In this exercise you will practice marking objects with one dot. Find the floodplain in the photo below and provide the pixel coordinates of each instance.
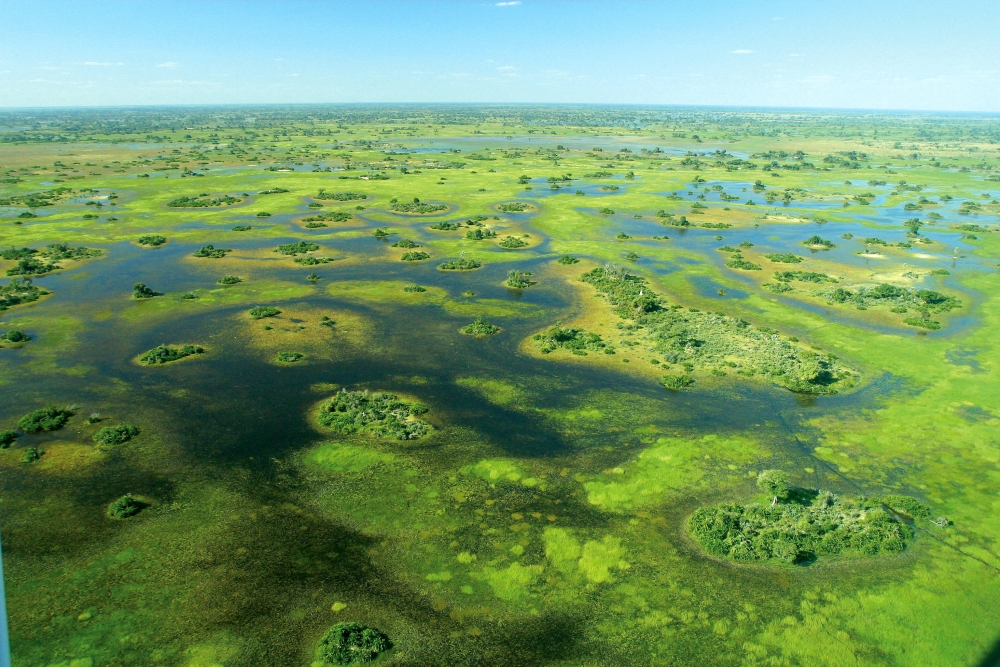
(499, 386)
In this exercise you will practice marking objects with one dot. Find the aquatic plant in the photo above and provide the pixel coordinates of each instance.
(414, 256)
(229, 280)
(480, 328)
(460, 265)
(297, 248)
(578, 341)
(260, 312)
(125, 507)
(380, 414)
(163, 354)
(290, 357)
(212, 252)
(511, 242)
(140, 291)
(116, 435)
(152, 240)
(347, 643)
(49, 418)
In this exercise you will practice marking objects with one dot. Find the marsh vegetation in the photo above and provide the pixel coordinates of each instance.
(379, 414)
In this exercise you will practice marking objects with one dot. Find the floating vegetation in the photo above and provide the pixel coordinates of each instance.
(140, 291)
(125, 507)
(480, 234)
(800, 525)
(480, 328)
(405, 243)
(242, 228)
(212, 252)
(347, 643)
(260, 312)
(116, 435)
(414, 256)
(297, 248)
(340, 196)
(382, 415)
(414, 288)
(229, 280)
(514, 207)
(152, 240)
(49, 418)
(713, 341)
(290, 357)
(460, 265)
(577, 341)
(784, 258)
(164, 354)
(512, 242)
(519, 279)
(416, 206)
(203, 201)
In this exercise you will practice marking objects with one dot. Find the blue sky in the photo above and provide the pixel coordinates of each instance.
(802, 53)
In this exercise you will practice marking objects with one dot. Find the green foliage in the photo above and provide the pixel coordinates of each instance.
(163, 354)
(347, 643)
(297, 248)
(32, 266)
(578, 341)
(606, 211)
(405, 243)
(332, 216)
(632, 256)
(316, 225)
(242, 228)
(49, 418)
(446, 226)
(309, 260)
(340, 196)
(116, 435)
(140, 291)
(909, 507)
(381, 233)
(272, 191)
(290, 357)
(803, 276)
(812, 524)
(817, 242)
(513, 207)
(203, 201)
(152, 240)
(567, 259)
(260, 312)
(380, 414)
(125, 507)
(519, 279)
(16, 336)
(212, 252)
(774, 483)
(416, 206)
(230, 280)
(460, 265)
(414, 288)
(480, 234)
(480, 328)
(737, 262)
(414, 256)
(17, 253)
(31, 454)
(676, 382)
(784, 258)
(512, 242)
(7, 438)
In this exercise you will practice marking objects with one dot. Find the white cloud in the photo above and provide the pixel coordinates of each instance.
(169, 65)
(508, 4)
(742, 52)
(91, 63)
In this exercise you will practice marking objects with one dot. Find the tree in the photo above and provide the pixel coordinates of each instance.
(775, 483)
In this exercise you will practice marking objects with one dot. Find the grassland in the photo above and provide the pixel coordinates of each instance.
(543, 515)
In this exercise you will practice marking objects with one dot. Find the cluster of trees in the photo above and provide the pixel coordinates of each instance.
(380, 414)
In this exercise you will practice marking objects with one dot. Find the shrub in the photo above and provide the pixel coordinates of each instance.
(381, 233)
(414, 256)
(512, 242)
(333, 216)
(49, 418)
(230, 280)
(263, 214)
(446, 226)
(480, 234)
(480, 328)
(7, 438)
(578, 341)
(140, 291)
(242, 228)
(203, 201)
(460, 265)
(17, 336)
(297, 248)
(784, 258)
(316, 225)
(290, 357)
(405, 243)
(676, 382)
(514, 207)
(740, 263)
(116, 435)
(162, 354)
(380, 414)
(606, 211)
(213, 252)
(340, 196)
(817, 241)
(31, 454)
(152, 240)
(417, 207)
(567, 259)
(345, 643)
(260, 312)
(519, 279)
(414, 288)
(125, 507)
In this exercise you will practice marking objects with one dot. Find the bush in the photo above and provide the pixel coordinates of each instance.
(567, 259)
(514, 207)
(519, 279)
(16, 336)
(414, 288)
(203, 201)
(31, 454)
(49, 418)
(784, 258)
(676, 382)
(417, 207)
(380, 414)
(480, 234)
(230, 280)
(578, 341)
(116, 435)
(345, 643)
(152, 240)
(405, 243)
(263, 214)
(606, 211)
(7, 438)
(512, 242)
(907, 506)
(340, 196)
(333, 216)
(125, 507)
(298, 248)
(140, 291)
(414, 256)
(740, 263)
(290, 357)
(480, 328)
(242, 228)
(260, 312)
(817, 241)
(446, 226)
(162, 354)
(213, 252)
(460, 265)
